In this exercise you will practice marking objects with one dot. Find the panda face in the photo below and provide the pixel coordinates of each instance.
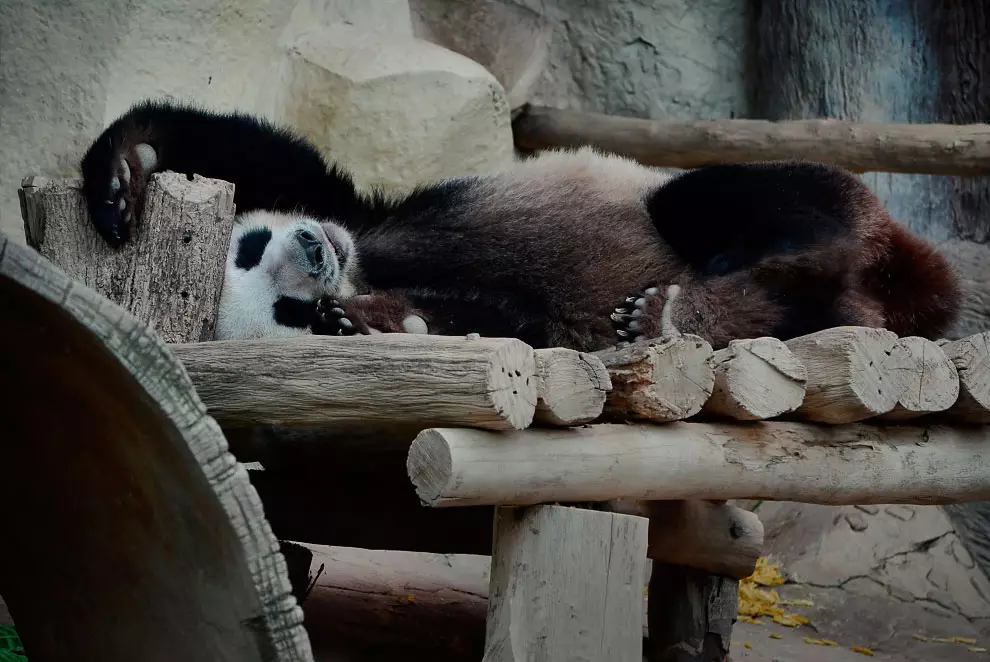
(278, 266)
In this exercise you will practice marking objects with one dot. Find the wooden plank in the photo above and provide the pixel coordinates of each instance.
(169, 276)
(566, 584)
(366, 384)
(108, 452)
(836, 465)
(941, 149)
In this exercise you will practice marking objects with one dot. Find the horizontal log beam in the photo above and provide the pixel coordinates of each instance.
(365, 384)
(936, 149)
(804, 462)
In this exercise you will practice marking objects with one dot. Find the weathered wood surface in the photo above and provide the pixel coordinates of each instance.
(566, 584)
(934, 148)
(925, 378)
(169, 275)
(690, 615)
(119, 462)
(366, 383)
(849, 376)
(755, 380)
(712, 536)
(848, 464)
(572, 387)
(971, 357)
(661, 380)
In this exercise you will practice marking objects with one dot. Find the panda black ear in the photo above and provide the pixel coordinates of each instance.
(251, 248)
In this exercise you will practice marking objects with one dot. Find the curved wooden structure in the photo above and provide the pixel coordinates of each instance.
(130, 533)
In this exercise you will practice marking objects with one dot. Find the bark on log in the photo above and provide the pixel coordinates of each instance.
(572, 387)
(169, 275)
(971, 357)
(690, 615)
(366, 384)
(755, 380)
(925, 378)
(930, 149)
(566, 582)
(848, 374)
(659, 381)
(132, 476)
(835, 465)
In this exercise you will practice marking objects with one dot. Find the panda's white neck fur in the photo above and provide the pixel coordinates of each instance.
(247, 302)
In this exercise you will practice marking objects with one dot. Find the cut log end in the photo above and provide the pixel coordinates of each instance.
(430, 466)
(663, 380)
(849, 374)
(514, 383)
(756, 379)
(971, 357)
(925, 378)
(572, 387)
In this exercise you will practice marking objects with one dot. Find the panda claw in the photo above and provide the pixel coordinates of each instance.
(631, 319)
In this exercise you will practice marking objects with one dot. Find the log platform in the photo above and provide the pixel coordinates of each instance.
(575, 473)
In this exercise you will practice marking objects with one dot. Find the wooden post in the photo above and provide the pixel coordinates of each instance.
(169, 275)
(108, 452)
(690, 615)
(566, 584)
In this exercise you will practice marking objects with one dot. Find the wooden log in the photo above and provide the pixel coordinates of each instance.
(712, 536)
(662, 380)
(755, 380)
(938, 149)
(169, 276)
(971, 357)
(848, 374)
(366, 383)
(572, 387)
(690, 615)
(835, 465)
(381, 603)
(119, 462)
(566, 584)
(925, 378)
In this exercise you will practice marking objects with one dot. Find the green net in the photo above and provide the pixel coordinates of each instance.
(11, 649)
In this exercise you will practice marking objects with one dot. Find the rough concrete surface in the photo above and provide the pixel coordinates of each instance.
(877, 577)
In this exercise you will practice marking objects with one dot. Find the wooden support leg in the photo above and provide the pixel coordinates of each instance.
(566, 584)
(690, 615)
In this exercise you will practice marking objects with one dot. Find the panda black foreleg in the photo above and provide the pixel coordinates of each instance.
(378, 312)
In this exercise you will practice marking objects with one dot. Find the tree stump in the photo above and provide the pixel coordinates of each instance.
(130, 532)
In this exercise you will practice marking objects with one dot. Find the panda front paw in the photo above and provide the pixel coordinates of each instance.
(367, 314)
(637, 318)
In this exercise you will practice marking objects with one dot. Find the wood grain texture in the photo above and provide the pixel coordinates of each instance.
(660, 380)
(971, 357)
(572, 387)
(848, 374)
(366, 384)
(173, 557)
(713, 536)
(566, 584)
(756, 379)
(924, 376)
(848, 464)
(169, 275)
(931, 149)
(690, 615)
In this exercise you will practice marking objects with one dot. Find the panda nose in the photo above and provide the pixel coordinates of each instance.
(313, 249)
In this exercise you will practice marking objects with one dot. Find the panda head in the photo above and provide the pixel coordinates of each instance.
(278, 266)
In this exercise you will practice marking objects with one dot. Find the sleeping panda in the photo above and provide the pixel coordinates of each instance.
(569, 248)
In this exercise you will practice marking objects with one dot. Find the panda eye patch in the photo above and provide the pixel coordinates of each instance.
(251, 248)
(308, 236)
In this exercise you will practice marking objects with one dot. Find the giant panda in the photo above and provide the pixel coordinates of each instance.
(570, 248)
